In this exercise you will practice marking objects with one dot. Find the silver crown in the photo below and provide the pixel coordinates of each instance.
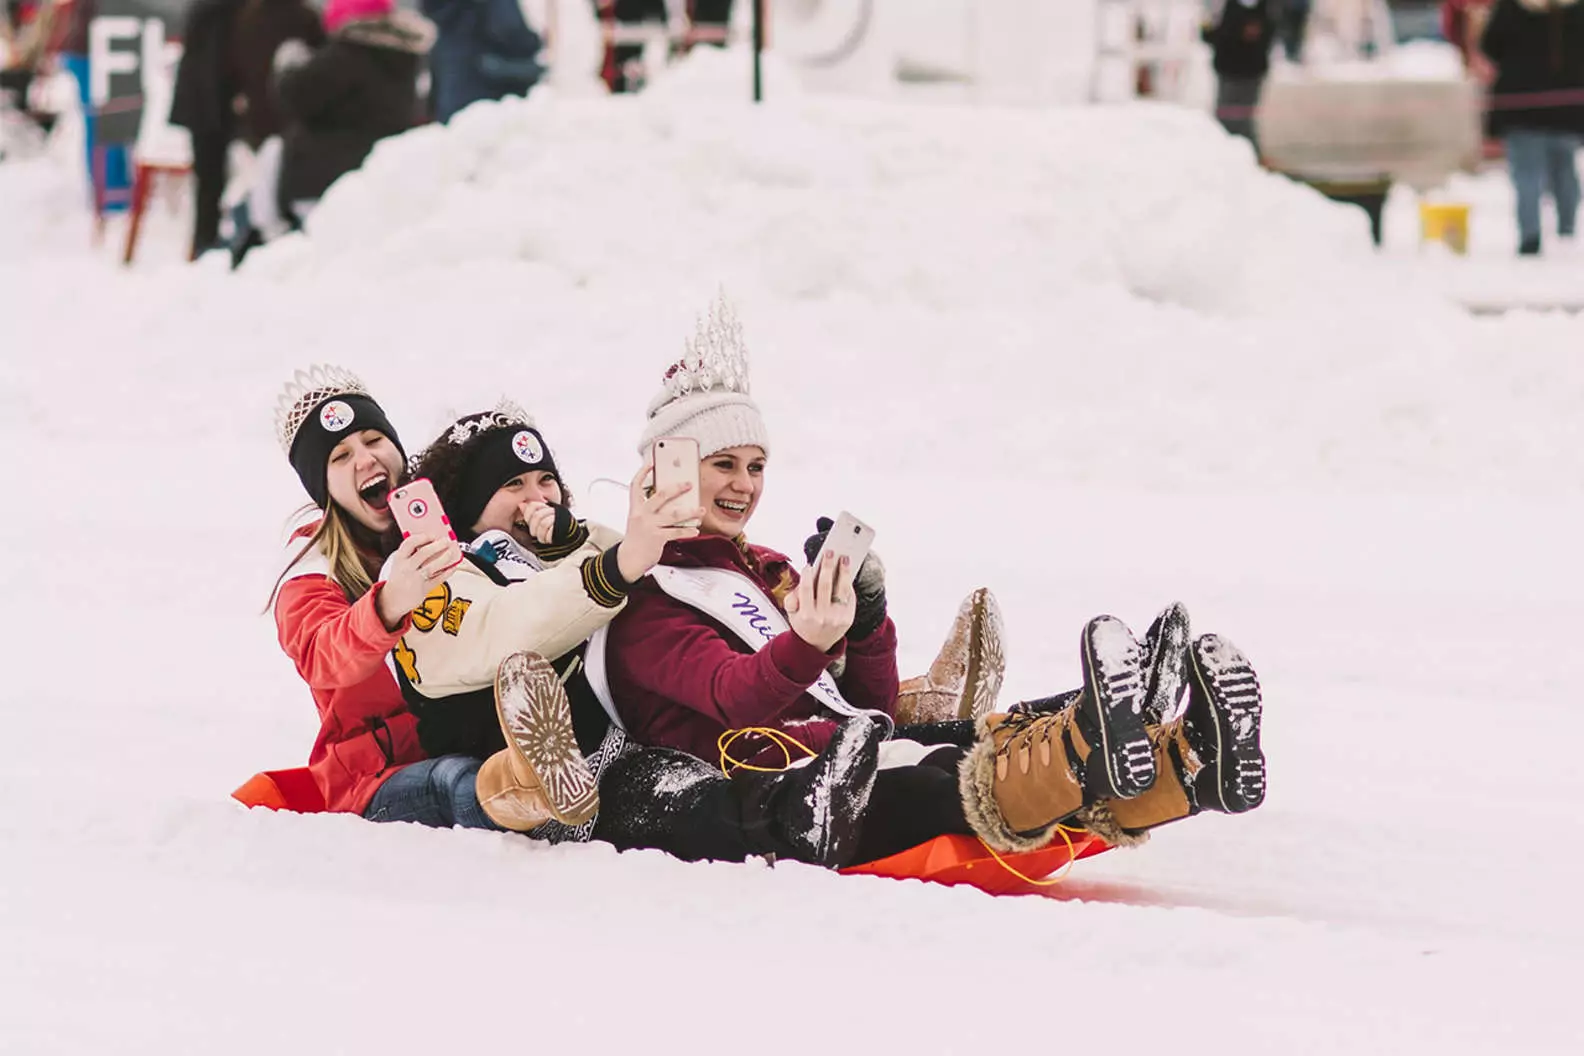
(306, 390)
(716, 356)
(506, 413)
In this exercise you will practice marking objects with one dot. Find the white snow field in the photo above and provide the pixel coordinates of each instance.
(1090, 358)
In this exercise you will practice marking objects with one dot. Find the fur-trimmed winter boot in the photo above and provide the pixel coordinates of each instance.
(540, 775)
(1029, 771)
(1208, 758)
(965, 678)
(814, 812)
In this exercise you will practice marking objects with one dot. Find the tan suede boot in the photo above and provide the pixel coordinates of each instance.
(541, 774)
(965, 678)
(1018, 781)
(1126, 822)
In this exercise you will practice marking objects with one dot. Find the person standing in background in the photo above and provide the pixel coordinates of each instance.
(485, 49)
(1537, 47)
(1240, 36)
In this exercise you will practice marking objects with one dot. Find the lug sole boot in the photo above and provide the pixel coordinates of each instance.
(1222, 727)
(1166, 664)
(1109, 712)
(1126, 822)
(965, 679)
(541, 770)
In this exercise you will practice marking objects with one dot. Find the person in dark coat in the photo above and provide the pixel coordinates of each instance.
(1240, 38)
(260, 29)
(359, 88)
(485, 50)
(1537, 106)
(206, 87)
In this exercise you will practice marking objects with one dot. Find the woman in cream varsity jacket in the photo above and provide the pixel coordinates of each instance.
(499, 643)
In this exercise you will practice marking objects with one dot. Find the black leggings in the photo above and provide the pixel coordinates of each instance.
(913, 804)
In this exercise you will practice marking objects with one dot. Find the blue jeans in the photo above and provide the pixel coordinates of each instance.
(1543, 161)
(437, 792)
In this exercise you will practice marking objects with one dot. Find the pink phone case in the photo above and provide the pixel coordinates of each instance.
(417, 510)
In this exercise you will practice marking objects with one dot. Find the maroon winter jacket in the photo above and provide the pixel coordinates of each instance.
(680, 679)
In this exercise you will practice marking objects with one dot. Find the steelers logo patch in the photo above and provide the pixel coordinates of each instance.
(528, 447)
(335, 416)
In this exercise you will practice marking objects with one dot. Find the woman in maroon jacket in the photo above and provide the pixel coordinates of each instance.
(726, 652)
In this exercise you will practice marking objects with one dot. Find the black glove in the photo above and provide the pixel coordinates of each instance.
(566, 535)
(868, 587)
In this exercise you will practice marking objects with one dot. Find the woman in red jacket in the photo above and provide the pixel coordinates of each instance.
(338, 620)
(725, 651)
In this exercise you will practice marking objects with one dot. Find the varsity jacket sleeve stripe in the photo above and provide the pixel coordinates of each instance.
(550, 613)
(333, 643)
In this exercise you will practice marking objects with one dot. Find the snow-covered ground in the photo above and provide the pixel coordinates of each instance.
(1150, 370)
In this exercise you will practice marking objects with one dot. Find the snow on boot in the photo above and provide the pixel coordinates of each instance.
(1109, 711)
(814, 812)
(1222, 726)
(1166, 664)
(1030, 769)
(965, 678)
(541, 775)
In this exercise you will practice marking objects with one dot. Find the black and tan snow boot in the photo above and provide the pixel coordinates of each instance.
(965, 678)
(1208, 758)
(1031, 770)
(540, 775)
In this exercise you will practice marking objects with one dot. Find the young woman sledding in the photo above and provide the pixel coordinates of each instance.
(726, 651)
(340, 619)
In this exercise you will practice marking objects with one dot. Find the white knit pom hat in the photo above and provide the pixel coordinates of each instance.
(705, 395)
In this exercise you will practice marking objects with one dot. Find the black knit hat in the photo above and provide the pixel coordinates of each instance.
(320, 408)
(501, 444)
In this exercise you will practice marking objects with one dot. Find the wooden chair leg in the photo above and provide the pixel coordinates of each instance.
(142, 185)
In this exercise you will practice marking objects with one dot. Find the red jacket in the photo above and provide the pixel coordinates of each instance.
(365, 730)
(680, 679)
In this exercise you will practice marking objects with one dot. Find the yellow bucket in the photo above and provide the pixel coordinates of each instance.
(1445, 222)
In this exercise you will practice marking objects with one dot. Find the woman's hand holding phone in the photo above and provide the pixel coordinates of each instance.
(821, 609)
(417, 564)
(652, 522)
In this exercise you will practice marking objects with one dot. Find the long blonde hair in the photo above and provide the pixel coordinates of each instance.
(344, 543)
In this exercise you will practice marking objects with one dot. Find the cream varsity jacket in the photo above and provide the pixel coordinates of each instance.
(471, 622)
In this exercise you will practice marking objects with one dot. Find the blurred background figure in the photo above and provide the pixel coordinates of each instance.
(1537, 106)
(1240, 34)
(335, 104)
(109, 168)
(204, 104)
(1292, 25)
(485, 49)
(1462, 24)
(26, 29)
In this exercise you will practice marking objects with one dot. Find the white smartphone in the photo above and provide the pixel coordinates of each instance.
(850, 538)
(676, 461)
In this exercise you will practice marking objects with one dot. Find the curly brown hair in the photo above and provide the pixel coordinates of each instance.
(442, 462)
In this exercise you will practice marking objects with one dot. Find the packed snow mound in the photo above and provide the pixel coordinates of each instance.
(946, 206)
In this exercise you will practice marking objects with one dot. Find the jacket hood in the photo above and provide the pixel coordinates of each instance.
(404, 31)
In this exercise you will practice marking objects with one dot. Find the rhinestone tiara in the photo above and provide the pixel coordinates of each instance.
(306, 390)
(506, 413)
(715, 357)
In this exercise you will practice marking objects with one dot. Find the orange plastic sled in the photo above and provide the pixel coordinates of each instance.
(947, 860)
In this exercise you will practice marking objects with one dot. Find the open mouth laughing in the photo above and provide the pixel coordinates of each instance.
(375, 492)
